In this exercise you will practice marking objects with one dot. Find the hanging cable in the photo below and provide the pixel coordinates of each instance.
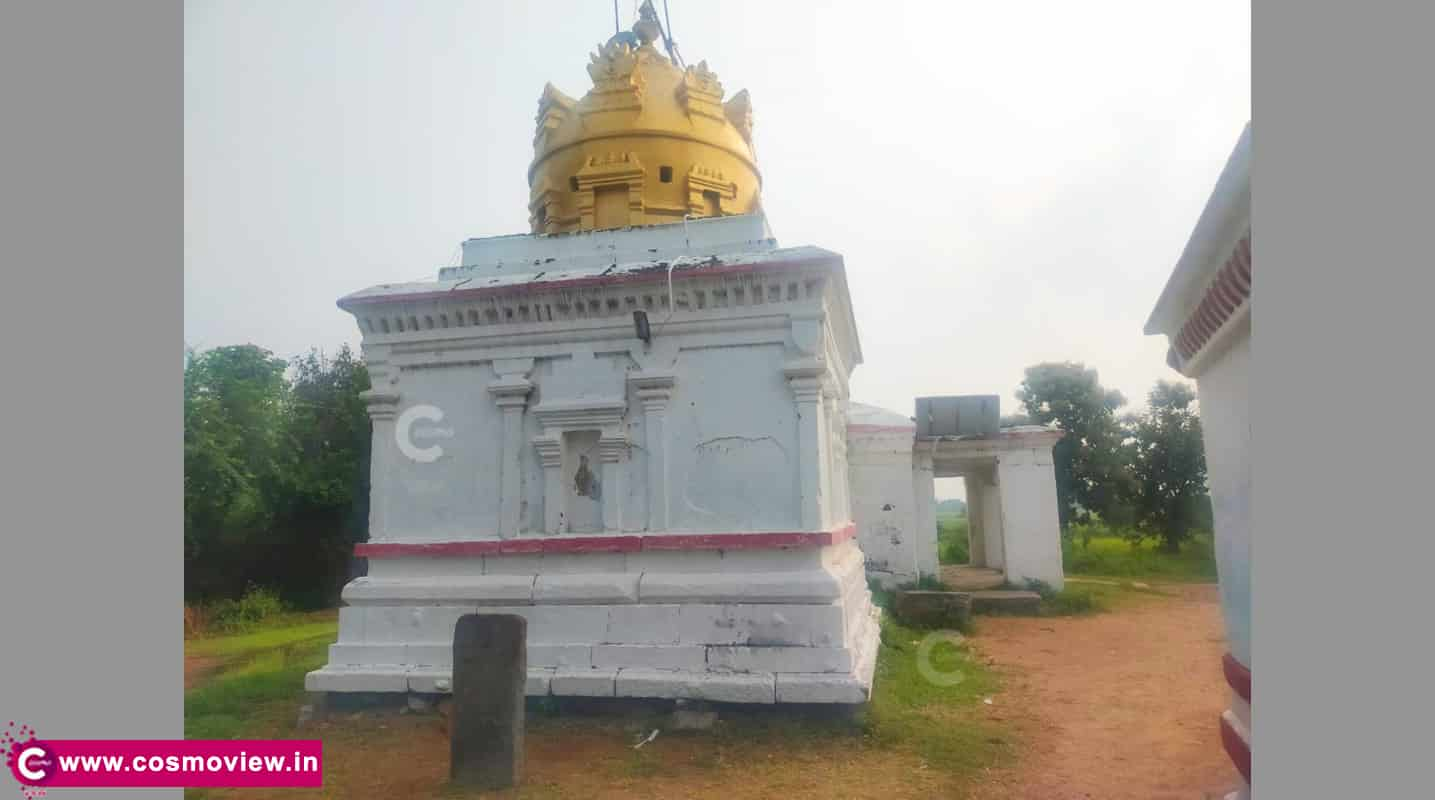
(668, 42)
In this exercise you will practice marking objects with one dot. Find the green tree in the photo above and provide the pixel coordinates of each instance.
(1092, 475)
(322, 510)
(1169, 467)
(233, 405)
(276, 473)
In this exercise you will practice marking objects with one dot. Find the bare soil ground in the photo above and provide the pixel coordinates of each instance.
(1124, 704)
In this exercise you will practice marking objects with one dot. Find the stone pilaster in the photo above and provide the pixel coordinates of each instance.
(839, 509)
(655, 391)
(804, 378)
(383, 408)
(612, 453)
(510, 394)
(550, 457)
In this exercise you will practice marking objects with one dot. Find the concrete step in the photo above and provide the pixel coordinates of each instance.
(962, 578)
(1006, 602)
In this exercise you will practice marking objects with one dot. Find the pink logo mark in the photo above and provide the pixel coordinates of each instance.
(30, 760)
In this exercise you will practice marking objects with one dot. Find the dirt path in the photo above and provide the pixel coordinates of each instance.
(1116, 705)
(198, 668)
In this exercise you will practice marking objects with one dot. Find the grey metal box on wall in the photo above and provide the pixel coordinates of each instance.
(968, 415)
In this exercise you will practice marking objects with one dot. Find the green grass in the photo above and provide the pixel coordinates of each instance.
(1098, 551)
(952, 545)
(908, 710)
(282, 634)
(1109, 556)
(260, 681)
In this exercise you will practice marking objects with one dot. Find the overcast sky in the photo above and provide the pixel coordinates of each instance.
(1009, 183)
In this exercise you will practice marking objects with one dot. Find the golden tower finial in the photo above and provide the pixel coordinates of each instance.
(649, 144)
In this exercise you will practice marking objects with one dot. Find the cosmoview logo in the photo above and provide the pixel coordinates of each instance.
(404, 433)
(35, 763)
(31, 761)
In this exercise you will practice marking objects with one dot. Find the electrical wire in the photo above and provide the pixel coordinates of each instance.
(668, 40)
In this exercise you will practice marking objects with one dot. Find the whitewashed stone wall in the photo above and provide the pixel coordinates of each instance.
(1030, 526)
(884, 505)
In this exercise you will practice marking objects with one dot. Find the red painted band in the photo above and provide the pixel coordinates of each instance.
(594, 544)
(1238, 676)
(609, 544)
(1236, 748)
(652, 274)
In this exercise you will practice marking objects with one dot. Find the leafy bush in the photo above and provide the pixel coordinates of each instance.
(927, 583)
(1040, 587)
(255, 606)
(1069, 601)
(881, 598)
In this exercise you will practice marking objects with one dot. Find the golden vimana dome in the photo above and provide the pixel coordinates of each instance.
(649, 144)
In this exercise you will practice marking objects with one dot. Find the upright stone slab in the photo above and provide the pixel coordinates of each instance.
(490, 667)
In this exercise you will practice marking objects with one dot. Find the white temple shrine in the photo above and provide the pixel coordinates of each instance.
(632, 427)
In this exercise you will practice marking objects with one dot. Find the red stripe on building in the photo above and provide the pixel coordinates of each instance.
(593, 544)
(762, 540)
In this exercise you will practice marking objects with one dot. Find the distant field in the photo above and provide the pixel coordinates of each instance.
(1109, 555)
(1104, 554)
(951, 538)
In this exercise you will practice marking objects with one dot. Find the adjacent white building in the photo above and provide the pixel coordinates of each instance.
(1205, 313)
(1010, 482)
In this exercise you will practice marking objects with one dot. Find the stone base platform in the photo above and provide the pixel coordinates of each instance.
(789, 625)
